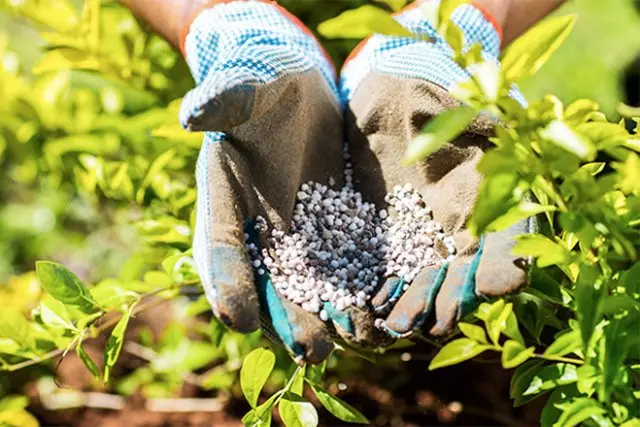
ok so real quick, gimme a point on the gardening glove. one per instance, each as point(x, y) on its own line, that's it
point(393, 86)
point(267, 98)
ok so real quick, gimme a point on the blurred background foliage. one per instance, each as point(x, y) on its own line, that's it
point(95, 172)
point(39, 218)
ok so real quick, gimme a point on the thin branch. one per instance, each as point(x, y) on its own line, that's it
point(559, 359)
point(148, 354)
point(69, 399)
point(185, 405)
point(103, 327)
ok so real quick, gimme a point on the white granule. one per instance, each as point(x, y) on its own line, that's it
point(340, 248)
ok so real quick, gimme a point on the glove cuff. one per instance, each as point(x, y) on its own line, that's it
point(490, 19)
point(258, 17)
point(409, 57)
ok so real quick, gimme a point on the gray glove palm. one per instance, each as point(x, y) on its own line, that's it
point(266, 87)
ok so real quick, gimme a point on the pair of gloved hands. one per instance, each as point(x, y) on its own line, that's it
point(274, 118)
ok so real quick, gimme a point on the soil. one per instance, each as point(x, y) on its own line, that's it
point(398, 392)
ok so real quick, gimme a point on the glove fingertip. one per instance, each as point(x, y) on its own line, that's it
point(207, 108)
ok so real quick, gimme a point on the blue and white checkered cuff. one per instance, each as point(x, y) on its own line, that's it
point(414, 58)
point(252, 35)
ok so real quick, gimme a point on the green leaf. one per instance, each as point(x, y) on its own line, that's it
point(565, 137)
point(457, 351)
point(495, 319)
point(65, 58)
point(521, 379)
point(514, 354)
point(512, 330)
point(256, 368)
point(447, 7)
point(550, 377)
point(261, 416)
point(564, 344)
point(455, 37)
point(88, 361)
point(578, 411)
point(395, 5)
point(551, 412)
point(580, 111)
point(441, 129)
point(111, 294)
point(54, 315)
point(519, 212)
point(64, 286)
point(314, 373)
point(15, 326)
point(114, 343)
point(218, 329)
point(495, 199)
point(474, 332)
point(13, 403)
point(157, 166)
point(589, 295)
point(528, 53)
point(297, 412)
point(362, 22)
point(297, 383)
point(338, 408)
point(617, 342)
point(546, 250)
point(488, 78)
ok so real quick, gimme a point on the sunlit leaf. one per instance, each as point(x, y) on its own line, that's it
point(562, 135)
point(114, 344)
point(564, 344)
point(14, 325)
point(88, 361)
point(338, 408)
point(578, 411)
point(519, 212)
point(474, 332)
point(64, 286)
point(297, 412)
point(550, 377)
point(546, 250)
point(362, 22)
point(528, 53)
point(457, 351)
point(514, 354)
point(441, 129)
point(256, 368)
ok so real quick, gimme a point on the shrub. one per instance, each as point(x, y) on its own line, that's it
point(95, 125)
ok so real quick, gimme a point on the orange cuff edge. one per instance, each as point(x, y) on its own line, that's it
point(489, 17)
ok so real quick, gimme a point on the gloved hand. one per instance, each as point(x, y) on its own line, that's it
point(266, 86)
point(393, 86)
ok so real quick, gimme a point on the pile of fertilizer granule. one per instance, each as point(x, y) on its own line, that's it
point(340, 248)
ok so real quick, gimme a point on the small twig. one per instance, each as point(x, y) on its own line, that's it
point(106, 325)
point(148, 354)
point(69, 399)
point(424, 339)
point(559, 359)
point(185, 405)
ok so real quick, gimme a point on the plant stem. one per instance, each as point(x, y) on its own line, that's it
point(559, 359)
point(106, 325)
